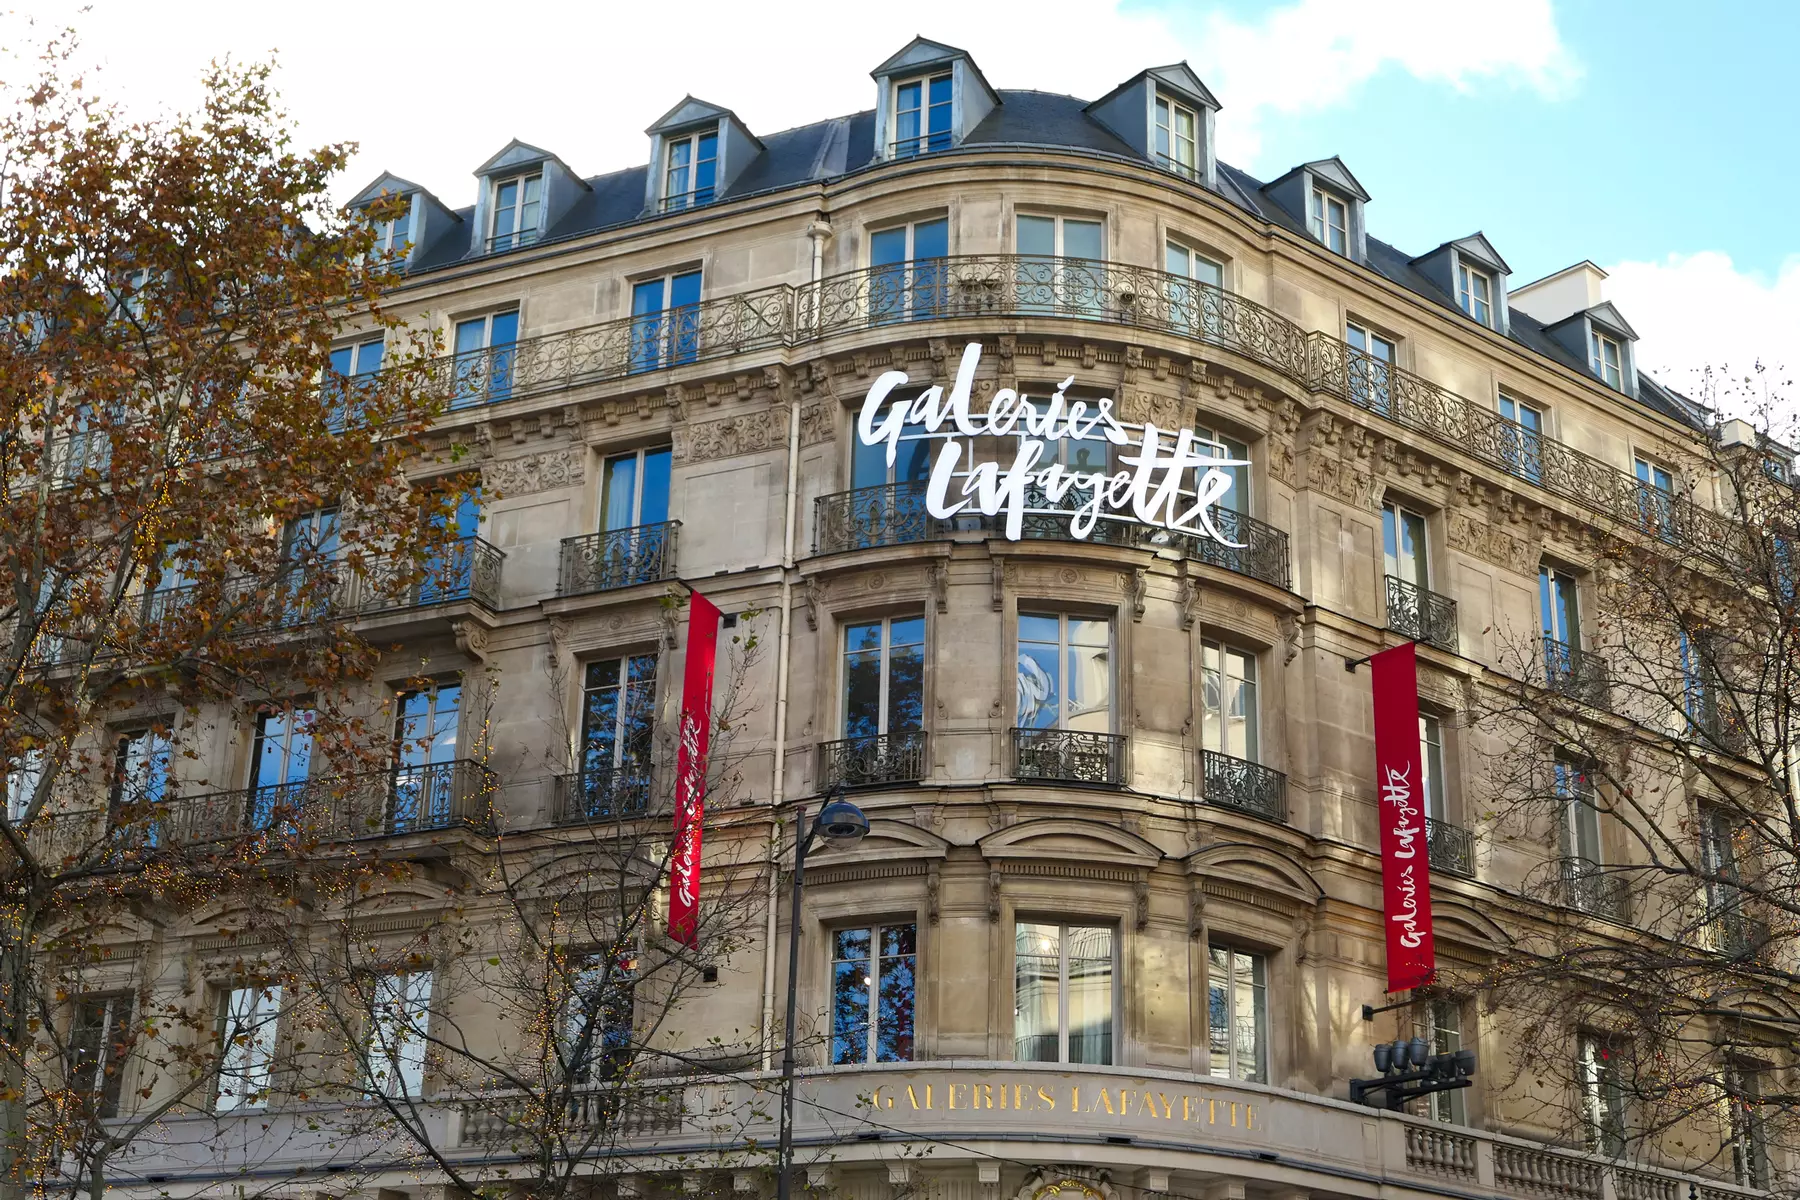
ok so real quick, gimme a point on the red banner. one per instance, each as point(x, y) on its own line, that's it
point(690, 770)
point(1400, 786)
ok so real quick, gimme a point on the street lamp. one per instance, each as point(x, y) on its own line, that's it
point(839, 823)
point(1409, 1070)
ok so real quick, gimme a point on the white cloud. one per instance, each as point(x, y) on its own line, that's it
point(1698, 311)
point(430, 95)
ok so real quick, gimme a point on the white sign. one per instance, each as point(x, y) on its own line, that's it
point(1171, 487)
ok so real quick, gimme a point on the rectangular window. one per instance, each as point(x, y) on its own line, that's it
point(1699, 685)
point(1559, 607)
point(1191, 264)
point(873, 994)
point(1719, 871)
point(1604, 357)
point(248, 1017)
point(280, 761)
point(1065, 672)
point(1237, 1014)
point(1371, 367)
point(1329, 219)
point(1749, 1137)
point(1047, 280)
point(618, 717)
point(598, 1025)
point(24, 773)
point(398, 1022)
point(1439, 1022)
point(1475, 293)
point(393, 238)
point(1602, 1093)
point(906, 274)
point(1656, 497)
point(634, 489)
point(884, 677)
point(99, 1041)
point(922, 116)
point(1237, 498)
point(691, 171)
point(1228, 724)
point(1196, 311)
point(485, 349)
point(425, 778)
point(140, 780)
point(1403, 545)
point(1435, 785)
point(1522, 438)
point(1580, 825)
point(1177, 138)
point(1063, 993)
point(665, 321)
point(517, 212)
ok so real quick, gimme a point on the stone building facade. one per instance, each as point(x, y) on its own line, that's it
point(1119, 907)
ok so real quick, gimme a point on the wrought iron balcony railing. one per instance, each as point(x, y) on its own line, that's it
point(1069, 756)
point(1725, 928)
point(878, 758)
point(1576, 673)
point(1244, 785)
point(1187, 170)
point(686, 200)
point(889, 514)
point(602, 794)
point(617, 558)
point(1421, 614)
point(924, 143)
point(1450, 848)
point(1594, 889)
point(512, 241)
point(468, 570)
point(1261, 552)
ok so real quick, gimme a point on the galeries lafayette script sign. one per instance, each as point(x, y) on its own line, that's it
point(1167, 479)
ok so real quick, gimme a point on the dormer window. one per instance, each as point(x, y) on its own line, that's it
point(1177, 138)
point(691, 173)
point(392, 237)
point(1475, 293)
point(1606, 360)
point(518, 203)
point(1329, 219)
point(922, 115)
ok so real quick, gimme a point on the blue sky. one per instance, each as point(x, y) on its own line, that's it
point(1652, 138)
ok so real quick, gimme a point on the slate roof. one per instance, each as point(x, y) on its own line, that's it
point(841, 145)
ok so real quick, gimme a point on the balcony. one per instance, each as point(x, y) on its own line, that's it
point(1450, 849)
point(468, 570)
point(1725, 929)
point(924, 143)
point(1420, 614)
point(891, 514)
point(617, 558)
point(601, 794)
point(681, 201)
point(1069, 756)
point(1588, 887)
point(1261, 553)
point(1240, 784)
point(874, 759)
point(1576, 673)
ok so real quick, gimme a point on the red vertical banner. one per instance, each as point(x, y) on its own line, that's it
point(1400, 804)
point(690, 770)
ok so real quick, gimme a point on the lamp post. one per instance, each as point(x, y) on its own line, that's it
point(1408, 1070)
point(839, 823)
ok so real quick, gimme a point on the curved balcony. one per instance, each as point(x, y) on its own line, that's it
point(893, 514)
point(1243, 785)
point(873, 759)
point(1421, 614)
point(617, 558)
point(1069, 756)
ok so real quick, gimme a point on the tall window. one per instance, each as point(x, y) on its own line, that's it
point(141, 777)
point(1560, 612)
point(922, 115)
point(398, 1022)
point(248, 1017)
point(280, 760)
point(1195, 310)
point(665, 321)
point(1475, 293)
point(352, 367)
point(24, 772)
point(1191, 264)
point(618, 714)
point(1403, 544)
point(692, 168)
point(1065, 672)
point(1718, 863)
point(1237, 1014)
point(1329, 219)
point(873, 994)
point(1371, 368)
point(1237, 498)
point(449, 574)
point(1061, 237)
point(1602, 1093)
point(1439, 1022)
point(1699, 684)
point(1047, 280)
point(1228, 723)
point(311, 538)
point(912, 463)
point(485, 349)
point(1177, 137)
point(1522, 438)
point(425, 751)
point(392, 238)
point(634, 489)
point(99, 1041)
point(1604, 357)
point(1580, 823)
point(517, 212)
point(1656, 497)
point(1749, 1137)
point(598, 1020)
point(884, 677)
point(906, 271)
point(1063, 993)
point(1435, 784)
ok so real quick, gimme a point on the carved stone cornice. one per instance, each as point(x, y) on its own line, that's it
point(547, 470)
point(1473, 536)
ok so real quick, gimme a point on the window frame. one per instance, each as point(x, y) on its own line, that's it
point(641, 459)
point(1476, 303)
point(255, 1065)
point(518, 236)
point(1259, 967)
point(1318, 219)
point(1063, 617)
point(107, 1050)
point(397, 1063)
point(1448, 1107)
point(1434, 761)
point(884, 722)
point(871, 1029)
point(1396, 513)
point(1612, 374)
point(1746, 1128)
point(927, 140)
point(1064, 928)
point(1556, 583)
point(691, 197)
point(1058, 239)
point(1601, 1094)
point(619, 989)
point(1167, 131)
point(1226, 650)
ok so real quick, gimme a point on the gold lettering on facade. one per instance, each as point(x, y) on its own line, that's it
point(1049, 1101)
point(1027, 1097)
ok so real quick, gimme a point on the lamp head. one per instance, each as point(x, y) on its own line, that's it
point(1384, 1055)
point(841, 823)
point(1421, 1051)
point(1465, 1062)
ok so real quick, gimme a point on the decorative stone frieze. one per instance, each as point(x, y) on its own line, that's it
point(545, 471)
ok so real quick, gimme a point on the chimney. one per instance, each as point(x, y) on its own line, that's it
point(1554, 297)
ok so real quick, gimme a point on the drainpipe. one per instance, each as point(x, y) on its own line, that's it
point(819, 232)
